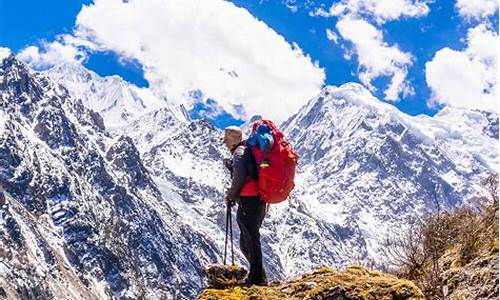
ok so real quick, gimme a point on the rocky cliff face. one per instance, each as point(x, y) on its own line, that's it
point(476, 280)
point(81, 206)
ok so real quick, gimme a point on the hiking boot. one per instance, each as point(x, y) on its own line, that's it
point(262, 283)
point(249, 282)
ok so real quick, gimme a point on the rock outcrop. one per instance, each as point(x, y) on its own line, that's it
point(469, 270)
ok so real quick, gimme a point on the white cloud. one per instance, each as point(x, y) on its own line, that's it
point(466, 78)
point(4, 52)
point(376, 58)
point(332, 36)
point(320, 12)
point(50, 54)
point(210, 45)
point(476, 9)
point(380, 10)
point(293, 8)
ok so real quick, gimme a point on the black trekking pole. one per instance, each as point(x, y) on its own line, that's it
point(227, 228)
point(229, 231)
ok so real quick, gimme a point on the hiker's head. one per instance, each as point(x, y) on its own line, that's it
point(232, 136)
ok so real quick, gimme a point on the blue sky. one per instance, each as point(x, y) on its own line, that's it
point(25, 23)
point(445, 29)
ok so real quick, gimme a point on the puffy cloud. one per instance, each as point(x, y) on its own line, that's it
point(207, 45)
point(476, 9)
point(50, 54)
point(380, 10)
point(4, 52)
point(466, 78)
point(376, 58)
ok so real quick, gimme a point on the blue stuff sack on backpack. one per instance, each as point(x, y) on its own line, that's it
point(263, 137)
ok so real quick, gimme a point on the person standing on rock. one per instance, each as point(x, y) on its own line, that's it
point(244, 191)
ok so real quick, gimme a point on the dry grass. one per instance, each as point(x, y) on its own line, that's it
point(446, 242)
point(353, 283)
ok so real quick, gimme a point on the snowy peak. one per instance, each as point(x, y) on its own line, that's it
point(349, 98)
point(350, 110)
point(469, 137)
point(118, 101)
point(481, 122)
point(366, 169)
point(115, 99)
point(338, 115)
point(74, 72)
point(34, 98)
point(354, 94)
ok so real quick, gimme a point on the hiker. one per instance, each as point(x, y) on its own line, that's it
point(244, 190)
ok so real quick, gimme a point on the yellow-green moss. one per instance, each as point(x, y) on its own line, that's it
point(234, 293)
point(326, 283)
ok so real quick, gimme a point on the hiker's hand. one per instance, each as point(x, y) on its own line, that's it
point(229, 199)
point(228, 163)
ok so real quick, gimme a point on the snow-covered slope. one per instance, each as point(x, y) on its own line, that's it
point(367, 169)
point(81, 208)
point(142, 197)
point(469, 137)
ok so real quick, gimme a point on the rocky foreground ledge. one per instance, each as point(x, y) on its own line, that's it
point(354, 283)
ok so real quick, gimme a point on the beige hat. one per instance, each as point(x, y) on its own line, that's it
point(233, 135)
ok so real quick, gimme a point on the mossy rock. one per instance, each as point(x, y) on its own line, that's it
point(221, 276)
point(354, 283)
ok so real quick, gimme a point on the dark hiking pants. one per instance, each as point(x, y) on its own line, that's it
point(251, 213)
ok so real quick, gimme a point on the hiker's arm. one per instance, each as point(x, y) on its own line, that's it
point(239, 173)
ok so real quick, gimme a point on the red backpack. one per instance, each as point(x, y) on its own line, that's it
point(276, 168)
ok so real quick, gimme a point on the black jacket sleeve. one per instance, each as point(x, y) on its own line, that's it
point(239, 172)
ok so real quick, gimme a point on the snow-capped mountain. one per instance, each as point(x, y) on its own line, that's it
point(82, 217)
point(366, 169)
point(116, 100)
point(139, 192)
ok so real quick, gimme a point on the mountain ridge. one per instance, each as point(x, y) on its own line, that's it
point(61, 166)
point(147, 196)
